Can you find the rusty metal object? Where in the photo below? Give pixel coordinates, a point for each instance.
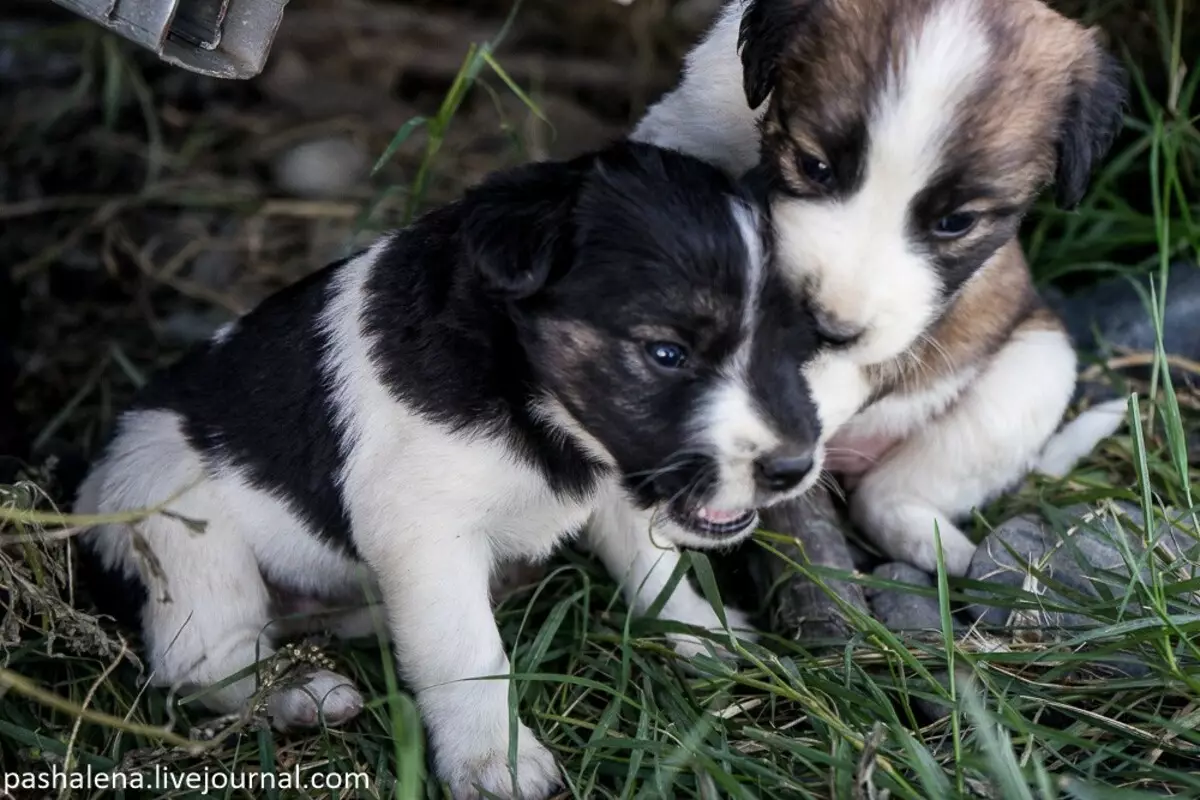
(221, 38)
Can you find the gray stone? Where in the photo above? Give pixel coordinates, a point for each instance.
(1111, 317)
(1111, 314)
(864, 560)
(1089, 560)
(800, 607)
(928, 710)
(900, 610)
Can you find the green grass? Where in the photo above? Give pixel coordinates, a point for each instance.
(1024, 716)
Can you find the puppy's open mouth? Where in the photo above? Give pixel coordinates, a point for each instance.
(711, 522)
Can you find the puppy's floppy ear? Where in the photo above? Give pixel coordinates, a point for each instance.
(517, 226)
(767, 26)
(1094, 115)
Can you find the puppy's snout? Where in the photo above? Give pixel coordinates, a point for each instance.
(781, 472)
(837, 332)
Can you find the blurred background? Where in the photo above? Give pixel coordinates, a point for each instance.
(141, 205)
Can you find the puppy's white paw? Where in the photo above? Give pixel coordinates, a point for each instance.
(957, 552)
(324, 696)
(739, 621)
(538, 776)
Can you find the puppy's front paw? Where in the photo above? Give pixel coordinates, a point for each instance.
(739, 622)
(323, 697)
(957, 551)
(537, 772)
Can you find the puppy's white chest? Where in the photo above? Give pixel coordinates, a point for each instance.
(532, 530)
(871, 434)
(420, 480)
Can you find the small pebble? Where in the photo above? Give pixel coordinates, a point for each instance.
(1090, 563)
(320, 168)
(901, 610)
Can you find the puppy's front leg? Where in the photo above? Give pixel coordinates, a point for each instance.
(620, 537)
(985, 443)
(435, 588)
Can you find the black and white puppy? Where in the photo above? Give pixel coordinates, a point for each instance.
(600, 344)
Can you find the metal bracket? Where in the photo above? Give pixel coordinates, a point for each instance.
(221, 38)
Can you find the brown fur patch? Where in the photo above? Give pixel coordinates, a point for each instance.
(579, 345)
(994, 303)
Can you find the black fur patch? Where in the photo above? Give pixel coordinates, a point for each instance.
(257, 401)
(1095, 115)
(767, 29)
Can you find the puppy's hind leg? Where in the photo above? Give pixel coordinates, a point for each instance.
(206, 610)
(205, 619)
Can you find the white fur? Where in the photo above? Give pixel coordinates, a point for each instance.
(1080, 436)
(840, 388)
(222, 334)
(707, 115)
(432, 509)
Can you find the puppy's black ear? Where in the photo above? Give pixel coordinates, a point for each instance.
(767, 26)
(517, 227)
(1094, 115)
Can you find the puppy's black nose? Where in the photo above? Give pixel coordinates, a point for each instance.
(836, 332)
(779, 473)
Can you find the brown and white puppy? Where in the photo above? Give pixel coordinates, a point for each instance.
(903, 141)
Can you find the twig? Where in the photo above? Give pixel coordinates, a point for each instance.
(87, 699)
(23, 686)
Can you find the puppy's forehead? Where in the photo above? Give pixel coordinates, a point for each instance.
(981, 78)
(677, 262)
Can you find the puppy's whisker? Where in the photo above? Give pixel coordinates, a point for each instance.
(829, 482)
(852, 452)
(941, 350)
(648, 476)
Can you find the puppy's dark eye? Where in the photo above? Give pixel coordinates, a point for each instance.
(816, 171)
(955, 225)
(667, 355)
